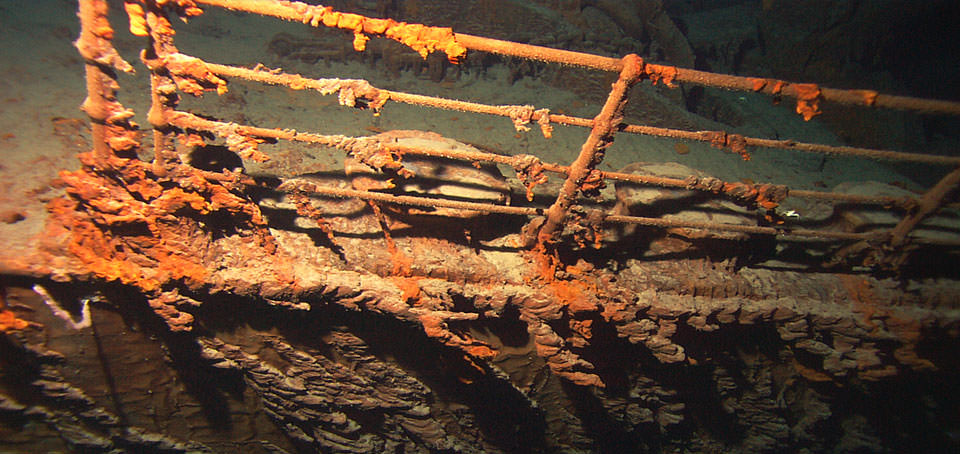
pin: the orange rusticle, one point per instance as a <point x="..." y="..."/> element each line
<point x="10" y="322"/>
<point x="757" y="83"/>
<point x="191" y="140"/>
<point x="543" y="119"/>
<point x="424" y="39"/>
<point x="192" y="75"/>
<point x="145" y="259"/>
<point x="765" y="195"/>
<point x="769" y="196"/>
<point x="185" y="8"/>
<point x="529" y="170"/>
<point x="778" y="86"/>
<point x="419" y="37"/>
<point x="664" y="74"/>
<point x="808" y="100"/>
<point x="307" y="209"/>
<point x="138" y="20"/>
<point x="409" y="288"/>
<point x="125" y="226"/>
<point x="734" y="143"/>
<point x="360" y="42"/>
<point x="592" y="183"/>
<point x="573" y="294"/>
<point x="103" y="31"/>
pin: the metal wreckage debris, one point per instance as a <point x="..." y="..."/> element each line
<point x="414" y="322"/>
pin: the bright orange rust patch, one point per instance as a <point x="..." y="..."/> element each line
<point x="10" y="322"/>
<point x="409" y="288"/>
<point x="808" y="100"/>
<point x="421" y="38"/>
<point x="757" y="83"/>
<point x="138" y="20"/>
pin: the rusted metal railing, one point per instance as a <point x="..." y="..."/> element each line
<point x="172" y="70"/>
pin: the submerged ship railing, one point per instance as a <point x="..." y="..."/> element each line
<point x="172" y="71"/>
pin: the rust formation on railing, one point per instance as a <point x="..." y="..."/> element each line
<point x="376" y="306"/>
<point x="172" y="71"/>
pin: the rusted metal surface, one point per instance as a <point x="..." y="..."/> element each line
<point x="329" y="335"/>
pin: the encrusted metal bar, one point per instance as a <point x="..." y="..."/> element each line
<point x="315" y="189"/>
<point x="808" y="95"/>
<point x="455" y="45"/>
<point x="311" y="188"/>
<point x="379" y="96"/>
<point x="928" y="204"/>
<point x="750" y="229"/>
<point x="857" y="97"/>
<point x="109" y="121"/>
<point x="421" y="38"/>
<point x="163" y="94"/>
<point x="591" y="153"/>
<point x="541" y="53"/>
<point x="187" y="120"/>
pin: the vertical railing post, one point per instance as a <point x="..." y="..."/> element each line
<point x="163" y="89"/>
<point x="109" y="121"/>
<point x="929" y="203"/>
<point x="605" y="124"/>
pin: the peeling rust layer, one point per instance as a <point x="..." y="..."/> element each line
<point x="137" y="223"/>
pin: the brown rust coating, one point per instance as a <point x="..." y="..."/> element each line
<point x="773" y="87"/>
<point x="540" y="53"/>
<point x="312" y="188"/>
<point x="183" y="237"/>
<point x="807" y="99"/>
